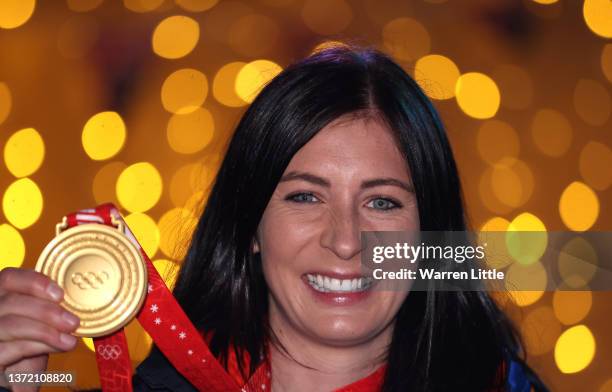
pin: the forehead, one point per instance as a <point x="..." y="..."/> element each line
<point x="352" y="145"/>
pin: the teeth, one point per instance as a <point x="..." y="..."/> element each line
<point x="326" y="284"/>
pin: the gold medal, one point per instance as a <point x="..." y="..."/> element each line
<point x="103" y="274"/>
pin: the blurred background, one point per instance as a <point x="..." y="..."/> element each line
<point x="134" y="101"/>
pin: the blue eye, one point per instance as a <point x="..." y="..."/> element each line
<point x="302" y="198"/>
<point x="383" y="204"/>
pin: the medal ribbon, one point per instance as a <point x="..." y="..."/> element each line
<point x="169" y="327"/>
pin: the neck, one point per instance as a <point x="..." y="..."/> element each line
<point x="309" y="365"/>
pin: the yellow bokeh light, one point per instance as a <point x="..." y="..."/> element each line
<point x="224" y="85"/>
<point x="606" y="386"/>
<point x="515" y="86"/>
<point x="184" y="91"/>
<point x="196" y="5"/>
<point x="12" y="247"/>
<point x="540" y="330"/>
<point x="253" y="77"/>
<point x="6" y="101"/>
<point x="24" y="152"/>
<point x="526" y="283"/>
<point x="142" y="5"/>
<point x="597" y="15"/>
<point x="593" y="157"/>
<point x="175" y="37"/>
<point x="327" y="45"/>
<point x="175" y="228"/>
<point x="497" y="255"/>
<point x="89" y="343"/>
<point x="104" y="181"/>
<point x="83" y="5"/>
<point x="327" y="17"/>
<point x="406" y="39"/>
<point x="571" y="307"/>
<point x="14" y="13"/>
<point x="22" y="203"/>
<point x="578" y="206"/>
<point x="103" y="135"/>
<point x="545" y="1"/>
<point x="575" y="349"/>
<point x="437" y="76"/>
<point x="495" y="224"/>
<point x="577" y="263"/>
<point x="139" y="187"/>
<point x="592" y="102"/>
<point x="189" y="179"/>
<point x="512" y="182"/>
<point x="477" y="95"/>
<point x="497" y="140"/>
<point x="168" y="271"/>
<point x="145" y="230"/>
<point x="606" y="61"/>
<point x="551" y="132"/>
<point x="526" y="238"/>
<point x="190" y="133"/>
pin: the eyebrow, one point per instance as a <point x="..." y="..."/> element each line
<point x="296" y="175"/>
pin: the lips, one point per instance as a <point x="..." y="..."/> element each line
<point x="326" y="284"/>
<point x="338" y="289"/>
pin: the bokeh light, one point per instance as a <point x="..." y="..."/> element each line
<point x="571" y="307"/>
<point x="103" y="135"/>
<point x="175" y="37"/>
<point x="189" y="179"/>
<point x="575" y="349"/>
<point x="551" y="132"/>
<point x="196" y="5"/>
<point x="14" y="13"/>
<point x="190" y="133"/>
<point x="437" y="76"/>
<point x="578" y="206"/>
<point x="24" y="152"/>
<point x="597" y="15"/>
<point x="406" y="39"/>
<point x="175" y="228"/>
<point x="12" y="247"/>
<point x="592" y="102"/>
<point x="515" y="86"/>
<point x="512" y="182"/>
<point x="477" y="95"/>
<point x="6" y="101"/>
<point x="104" y="181"/>
<point x="327" y="17"/>
<point x="526" y="238"/>
<point x="593" y="157"/>
<point x="496" y="140"/>
<point x="540" y="330"/>
<point x="526" y="283"/>
<point x="577" y="263"/>
<point x="139" y="187"/>
<point x="606" y="386"/>
<point x="145" y="230"/>
<point x="168" y="270"/>
<point x="253" y="77"/>
<point x="184" y="91"/>
<point x="224" y="85"/>
<point x="22" y="203"/>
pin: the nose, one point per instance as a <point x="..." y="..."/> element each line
<point x="341" y="234"/>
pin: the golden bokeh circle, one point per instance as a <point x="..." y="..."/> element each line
<point x="437" y="76"/>
<point x="406" y="39"/>
<point x="184" y="91"/>
<point x="24" y="152"/>
<point x="578" y="206"/>
<point x="22" y="203"/>
<point x="191" y="132"/>
<point x="575" y="349"/>
<point x="104" y="135"/>
<point x="175" y="37"/>
<point x="551" y="132"/>
<point x="139" y="187"/>
<point x="477" y="95"/>
<point x="593" y="157"/>
<point x="12" y="247"/>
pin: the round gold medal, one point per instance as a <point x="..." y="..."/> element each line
<point x="103" y="274"/>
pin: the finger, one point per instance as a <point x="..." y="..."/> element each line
<point x="11" y="352"/>
<point x="29" y="282"/>
<point x="38" y="309"/>
<point x="13" y="327"/>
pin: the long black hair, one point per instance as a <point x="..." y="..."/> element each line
<point x="453" y="340"/>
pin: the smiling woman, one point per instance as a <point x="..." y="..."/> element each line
<point x="341" y="142"/>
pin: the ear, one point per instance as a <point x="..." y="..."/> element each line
<point x="255" y="245"/>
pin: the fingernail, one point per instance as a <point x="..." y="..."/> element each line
<point x="68" y="340"/>
<point x="70" y="318"/>
<point x="55" y="291"/>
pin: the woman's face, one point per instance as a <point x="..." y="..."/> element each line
<point x="350" y="177"/>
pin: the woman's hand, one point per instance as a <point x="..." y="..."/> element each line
<point x="32" y="323"/>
